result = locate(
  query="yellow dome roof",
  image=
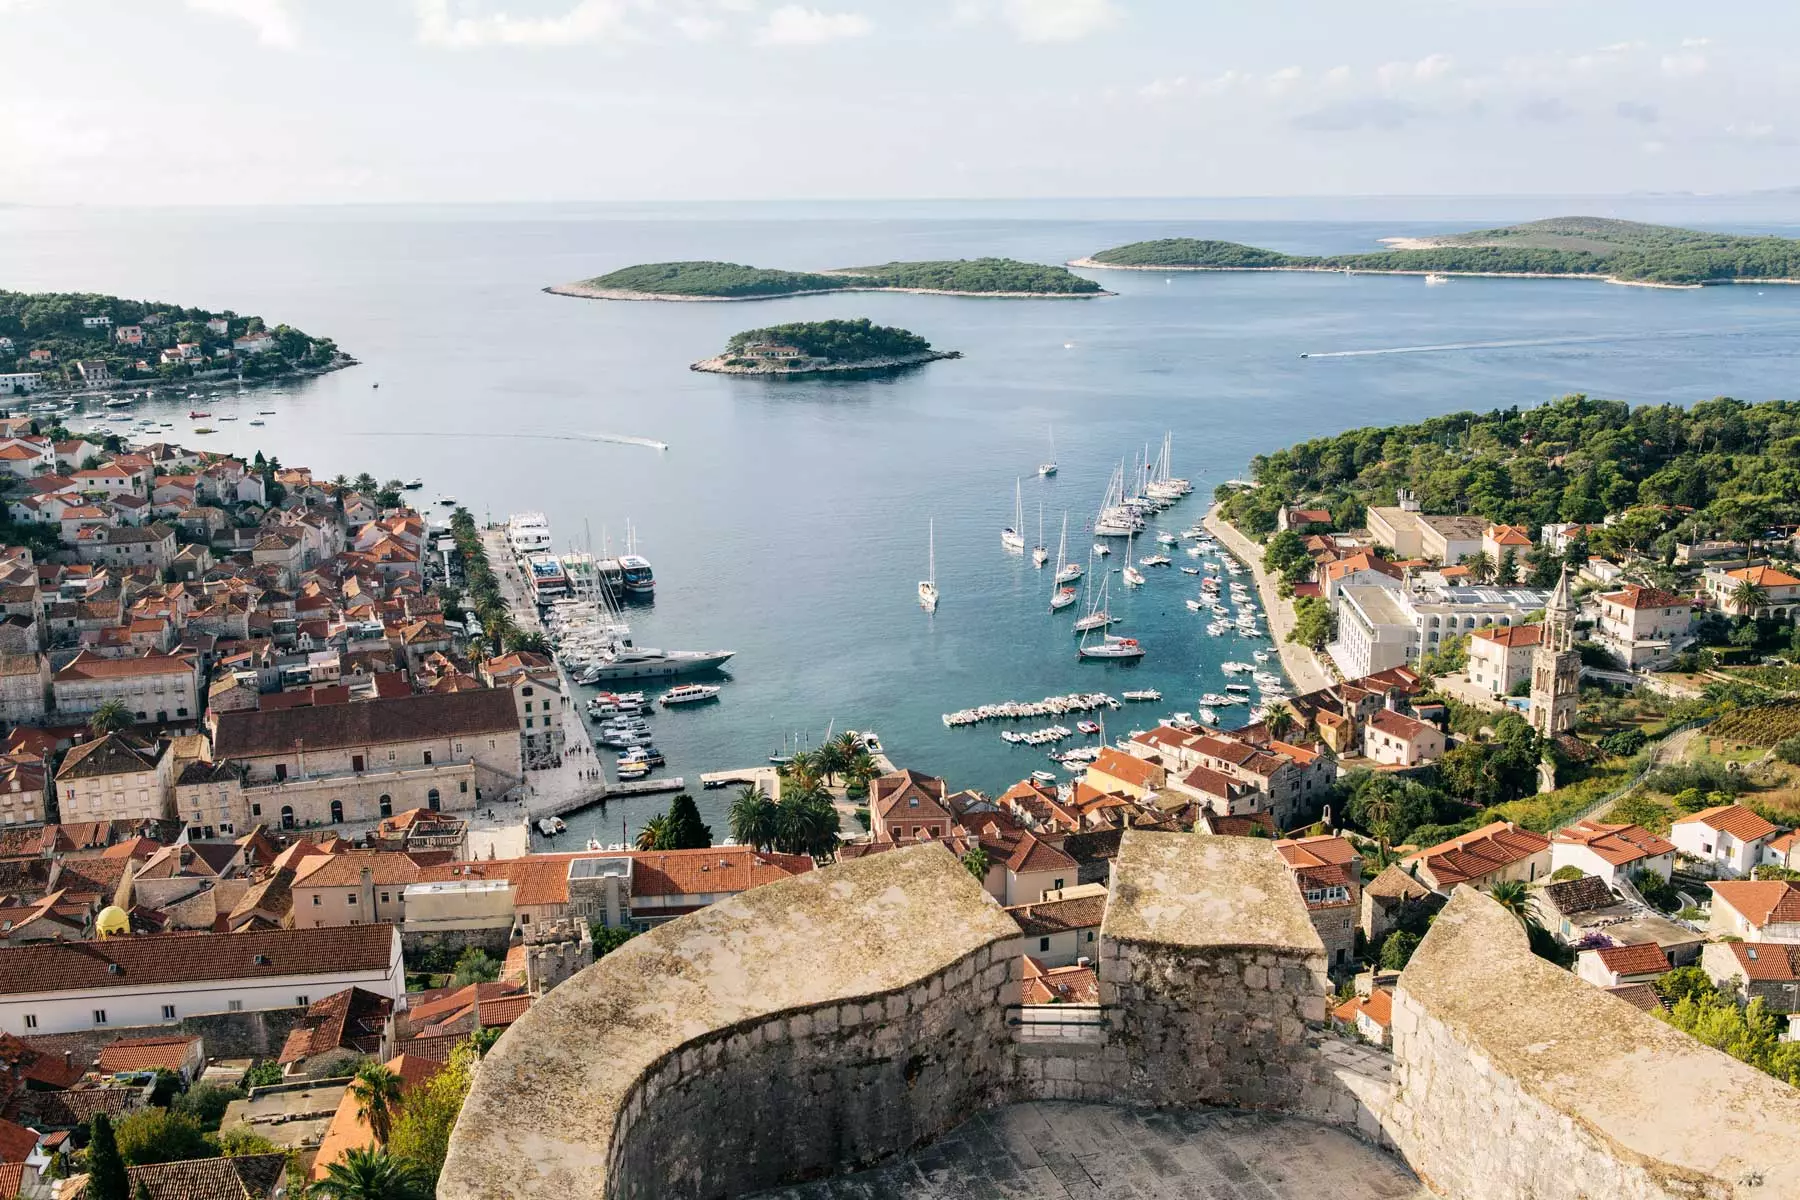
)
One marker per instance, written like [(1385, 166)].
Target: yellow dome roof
[(111, 921)]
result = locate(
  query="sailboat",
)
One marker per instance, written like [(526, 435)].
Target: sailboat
[(1048, 467), (1133, 576), (1067, 570), (1012, 536), (1039, 555), (928, 593), (1096, 616), (1108, 646), (1063, 595)]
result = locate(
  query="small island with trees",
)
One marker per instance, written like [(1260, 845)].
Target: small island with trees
[(80, 341), (1562, 247), (992, 278), (819, 347)]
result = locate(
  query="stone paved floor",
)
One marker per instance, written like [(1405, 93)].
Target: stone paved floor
[(1063, 1151)]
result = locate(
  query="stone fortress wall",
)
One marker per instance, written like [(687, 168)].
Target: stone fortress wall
[(814, 1026)]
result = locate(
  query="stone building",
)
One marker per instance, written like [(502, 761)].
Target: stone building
[(1555, 667), (1328, 871), (116, 777), (155, 687), (24, 688)]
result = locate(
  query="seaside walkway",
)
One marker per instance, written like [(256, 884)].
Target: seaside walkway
[(1303, 667)]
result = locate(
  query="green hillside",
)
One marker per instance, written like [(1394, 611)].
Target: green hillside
[(734, 281)]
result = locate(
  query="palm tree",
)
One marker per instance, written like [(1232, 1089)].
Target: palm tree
[(1480, 564), (1515, 898), (976, 862), (802, 773), (1748, 597), (369, 1175), (110, 717), (654, 833), (861, 770), (1280, 721), (753, 818), (376, 1090)]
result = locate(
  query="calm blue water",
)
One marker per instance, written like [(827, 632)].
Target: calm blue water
[(788, 520)]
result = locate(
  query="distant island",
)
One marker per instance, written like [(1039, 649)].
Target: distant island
[(1562, 247), (68, 341), (817, 347), (994, 278)]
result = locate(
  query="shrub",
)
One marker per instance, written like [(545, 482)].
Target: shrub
[(1788, 750), (1564, 874), (1658, 891), (1625, 743), (1397, 949), (1703, 776), (206, 1102)]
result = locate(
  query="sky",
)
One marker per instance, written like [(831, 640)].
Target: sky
[(339, 101)]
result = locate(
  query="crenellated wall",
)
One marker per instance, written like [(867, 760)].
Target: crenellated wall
[(817, 1025)]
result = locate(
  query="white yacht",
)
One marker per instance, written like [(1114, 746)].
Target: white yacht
[(528, 534), (1013, 536), (1112, 646)]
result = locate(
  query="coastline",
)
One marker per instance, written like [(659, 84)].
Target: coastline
[(1306, 670), (201, 380), (581, 291), (717, 365), (1094, 265)]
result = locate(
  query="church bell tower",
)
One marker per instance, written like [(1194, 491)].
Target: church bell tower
[(1555, 666)]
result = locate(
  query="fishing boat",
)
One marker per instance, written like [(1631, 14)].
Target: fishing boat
[(1088, 726), (1039, 555), (1047, 468), (689, 693), (1112, 646), (928, 590), (551, 826), (1012, 536), (1142, 696)]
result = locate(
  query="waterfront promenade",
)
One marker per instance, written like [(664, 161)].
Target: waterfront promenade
[(1304, 668)]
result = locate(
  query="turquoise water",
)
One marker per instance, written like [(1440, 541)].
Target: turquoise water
[(787, 520)]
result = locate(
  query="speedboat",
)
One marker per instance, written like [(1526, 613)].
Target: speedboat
[(413, 485), (1154, 560), (1102, 549), (1142, 695), (1165, 538), (1194, 606), (1209, 716), (1190, 570)]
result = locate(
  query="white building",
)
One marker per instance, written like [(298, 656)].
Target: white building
[(15, 382), (114, 778), (1643, 626), (1410, 533), (95, 322), (1729, 838), (1756, 910), (1396, 740), (1609, 851), (1780, 592), (1500, 657), (1375, 631), (160, 979)]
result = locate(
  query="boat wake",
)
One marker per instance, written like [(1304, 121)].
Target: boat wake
[(1515, 343), (617, 439)]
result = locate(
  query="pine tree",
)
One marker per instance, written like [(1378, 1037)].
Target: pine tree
[(107, 1179)]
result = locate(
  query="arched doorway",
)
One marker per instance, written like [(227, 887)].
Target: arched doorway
[(287, 816), (387, 805), (431, 798), (337, 812)]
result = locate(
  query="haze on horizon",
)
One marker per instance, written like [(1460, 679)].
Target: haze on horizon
[(331, 101)]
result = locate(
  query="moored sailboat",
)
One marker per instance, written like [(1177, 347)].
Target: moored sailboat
[(928, 590), (1013, 537), (1039, 555)]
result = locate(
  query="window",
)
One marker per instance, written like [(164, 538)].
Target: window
[(387, 806), (316, 900), (234, 1006), (256, 810), (386, 897), (428, 758), (280, 771), (351, 899), (287, 816), (463, 787), (99, 1016), (1090, 935), (528, 721), (527, 691), (31, 1020), (181, 712), (302, 1001), (431, 799), (356, 762), (168, 1012), (1057, 886), (390, 756), (1043, 943), (337, 811)]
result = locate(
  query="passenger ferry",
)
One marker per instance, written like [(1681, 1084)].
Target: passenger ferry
[(548, 580), (636, 575), (689, 693), (528, 534)]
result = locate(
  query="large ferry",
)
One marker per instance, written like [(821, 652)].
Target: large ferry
[(638, 662), (528, 534)]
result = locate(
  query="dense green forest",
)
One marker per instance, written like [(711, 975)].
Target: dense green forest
[(983, 275), (53, 321), (834, 341), (1720, 468), (1624, 250)]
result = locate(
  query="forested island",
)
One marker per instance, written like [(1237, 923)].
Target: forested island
[(816, 347), (1668, 475), (1002, 278), (1593, 247), (82, 340)]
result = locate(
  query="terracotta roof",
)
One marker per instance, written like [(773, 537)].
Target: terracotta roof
[(143, 1054), (1319, 851), (1734, 819), (1769, 961), (191, 958), (1128, 768), (371, 723), (1209, 782), (1378, 1004), (1479, 853), (387, 868), (1764, 577), (1787, 843), (1634, 595), (1399, 725), (247, 1177), (349, 1130), (351, 1019), (1645, 958), (39, 1065), (697, 872), (888, 791), (1395, 884), (1761, 901), (16, 1142), (109, 754), (88, 665), (1513, 637), (1573, 896), (1058, 916), (1640, 996), (1059, 985), (1617, 844), (1508, 535), (1238, 826), (1362, 560)]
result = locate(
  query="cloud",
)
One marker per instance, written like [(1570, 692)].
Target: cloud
[(270, 19), (1632, 110), (1284, 81), (1693, 43), (1547, 110), (1395, 74), (796, 25), (699, 28), (1058, 20), (587, 21), (1370, 112), (1685, 65)]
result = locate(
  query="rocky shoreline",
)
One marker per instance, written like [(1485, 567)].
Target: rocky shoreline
[(1096, 265), (721, 364), (199, 379), (584, 292)]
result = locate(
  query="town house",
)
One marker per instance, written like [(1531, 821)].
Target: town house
[(115, 777), (1395, 740), (1500, 657), (155, 687), (1727, 838), (1756, 910), (1779, 592), (1643, 626), (1328, 871), (1611, 851), (370, 759), (907, 805), (1498, 851)]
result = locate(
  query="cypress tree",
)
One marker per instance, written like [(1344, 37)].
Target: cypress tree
[(107, 1179), (685, 830)]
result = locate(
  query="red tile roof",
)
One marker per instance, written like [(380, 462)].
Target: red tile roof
[(1634, 596), (1321, 850), (1645, 958), (1399, 725), (1617, 844), (1513, 637), (1128, 768), (1761, 901), (1734, 819), (1479, 853), (1764, 577), (251, 733), (351, 1019), (16, 1142), (144, 1054), (163, 959), (1770, 961)]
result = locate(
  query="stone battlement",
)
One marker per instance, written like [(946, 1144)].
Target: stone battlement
[(825, 1023)]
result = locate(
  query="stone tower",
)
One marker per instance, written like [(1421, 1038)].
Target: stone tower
[(1555, 666)]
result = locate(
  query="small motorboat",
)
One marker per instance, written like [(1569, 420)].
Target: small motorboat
[(1142, 695), (1102, 549), (447, 501), (1194, 606), (1190, 570), (1046, 777), (195, 414), (413, 485), (257, 421)]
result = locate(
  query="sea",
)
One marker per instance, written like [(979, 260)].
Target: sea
[(787, 520)]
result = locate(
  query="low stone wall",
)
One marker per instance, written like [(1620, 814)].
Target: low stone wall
[(1515, 1080), (800, 1029)]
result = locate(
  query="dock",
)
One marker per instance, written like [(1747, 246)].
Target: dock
[(766, 778), (644, 787)]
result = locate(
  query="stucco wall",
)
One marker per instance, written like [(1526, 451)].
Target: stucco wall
[(1516, 1081)]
